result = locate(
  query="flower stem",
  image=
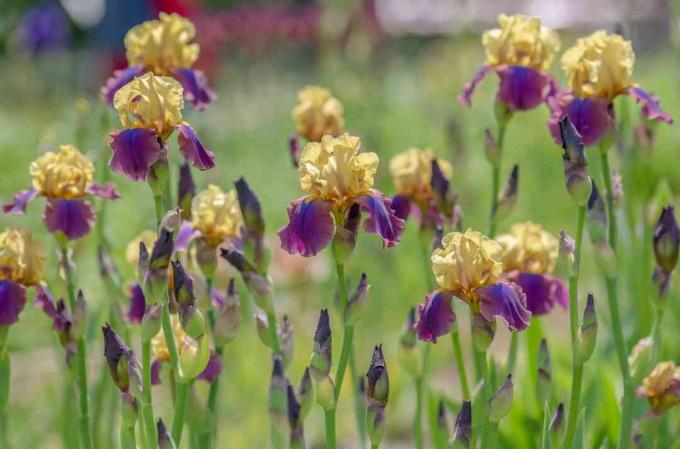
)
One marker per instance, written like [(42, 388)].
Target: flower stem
[(5, 372), (418, 431), (127, 437), (613, 300), (147, 407), (158, 205), (344, 357), (273, 334), (496, 179), (576, 363), (329, 416), (81, 358), (460, 362), (182, 391), (483, 401)]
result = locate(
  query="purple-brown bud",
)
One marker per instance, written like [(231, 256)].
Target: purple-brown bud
[(556, 424), (164, 438), (666, 240), (287, 342), (441, 190), (356, 305), (463, 428), (186, 189), (501, 401), (544, 375), (587, 336), (258, 284), (321, 360), (122, 363), (578, 182), (377, 395), (507, 198), (183, 285), (305, 394), (491, 149)]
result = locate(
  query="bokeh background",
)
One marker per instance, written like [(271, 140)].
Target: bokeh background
[(398, 66)]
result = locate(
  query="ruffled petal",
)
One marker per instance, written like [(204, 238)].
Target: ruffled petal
[(542, 291), (73, 218), (193, 150), (119, 79), (650, 105), (506, 301), (135, 313), (54, 310), (20, 201), (12, 302), (591, 117), (466, 98), (522, 88), (107, 191), (435, 316), (382, 219), (310, 228), (196, 88), (402, 206), (213, 369), (134, 152)]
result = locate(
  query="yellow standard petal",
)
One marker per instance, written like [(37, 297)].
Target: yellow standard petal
[(216, 214), (411, 172), (317, 113), (162, 45), (529, 248), (159, 346), (662, 386), (599, 65), (335, 169), (65, 174), (21, 258), (150, 101), (522, 41), (132, 249), (466, 262)]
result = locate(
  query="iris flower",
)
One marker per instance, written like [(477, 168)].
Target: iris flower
[(65, 178), (215, 215), (469, 266), (598, 69), (415, 177), (662, 387), (317, 113), (165, 48), (150, 110), (519, 52), (529, 259), (21, 266), (336, 175)]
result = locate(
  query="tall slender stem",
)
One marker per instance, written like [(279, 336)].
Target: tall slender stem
[(127, 437), (483, 401), (147, 407), (496, 179), (81, 358), (5, 374), (329, 417), (613, 300), (182, 391), (418, 431), (158, 206)]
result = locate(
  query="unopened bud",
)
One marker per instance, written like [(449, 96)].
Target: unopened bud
[(297, 435), (556, 424), (250, 210), (278, 404), (491, 149), (258, 285), (160, 257), (463, 428), (507, 198), (151, 323), (356, 305), (229, 317), (171, 220), (641, 358), (377, 395), (321, 360), (588, 332), (129, 409), (345, 238), (79, 320), (324, 389), (183, 286), (483, 332), (287, 342), (262, 328), (192, 321), (566, 255), (305, 394), (442, 425), (193, 358), (596, 217), (186, 189), (544, 377), (164, 438), (142, 263), (501, 401), (666, 240), (578, 182), (120, 359)]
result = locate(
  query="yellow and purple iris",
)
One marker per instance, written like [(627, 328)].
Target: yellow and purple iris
[(662, 387), (337, 175), (599, 68), (216, 215), (21, 266), (529, 259), (418, 176), (317, 113), (65, 178), (150, 110), (469, 266), (519, 51), (165, 48)]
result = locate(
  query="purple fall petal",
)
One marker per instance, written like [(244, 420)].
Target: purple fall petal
[(506, 301), (185, 236), (12, 302), (119, 79), (542, 291), (591, 117), (73, 218), (156, 366), (134, 152), (310, 228), (522, 88), (650, 105), (107, 191), (196, 88), (135, 313), (402, 206), (193, 150), (382, 219), (435, 316), (466, 98), (213, 369), (20, 201)]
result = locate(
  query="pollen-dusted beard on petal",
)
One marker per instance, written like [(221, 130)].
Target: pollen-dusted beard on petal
[(73, 218), (435, 316)]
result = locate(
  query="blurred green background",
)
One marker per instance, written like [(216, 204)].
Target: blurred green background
[(397, 92)]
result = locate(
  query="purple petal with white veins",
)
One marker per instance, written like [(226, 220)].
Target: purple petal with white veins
[(12, 302), (196, 88), (466, 98), (193, 150), (402, 206), (591, 117), (310, 228), (435, 316), (650, 105), (119, 79), (382, 219), (522, 88), (506, 301), (135, 313), (542, 291), (73, 218), (20, 201), (213, 369), (107, 191), (134, 152)]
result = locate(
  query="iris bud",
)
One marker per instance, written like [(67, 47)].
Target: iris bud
[(461, 432), (345, 238), (501, 401), (356, 305), (641, 358), (305, 394), (321, 360), (377, 395), (441, 191), (544, 378), (142, 263), (491, 149), (193, 358), (129, 409), (324, 389), (297, 435), (120, 359), (588, 331), (483, 332), (566, 255), (507, 198), (262, 328), (186, 189), (556, 424), (578, 182), (151, 323), (666, 240), (193, 322), (164, 438), (258, 285), (229, 317), (183, 286), (278, 404), (287, 342), (250, 210), (79, 320)]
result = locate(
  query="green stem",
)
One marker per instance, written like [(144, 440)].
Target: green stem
[(5, 374), (576, 363), (656, 331), (512, 352), (344, 357), (493, 435), (496, 179), (460, 362), (182, 391), (208, 437), (273, 334), (158, 205), (483, 402), (169, 335), (127, 437), (418, 431), (147, 408), (81, 358), (329, 417), (613, 300)]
